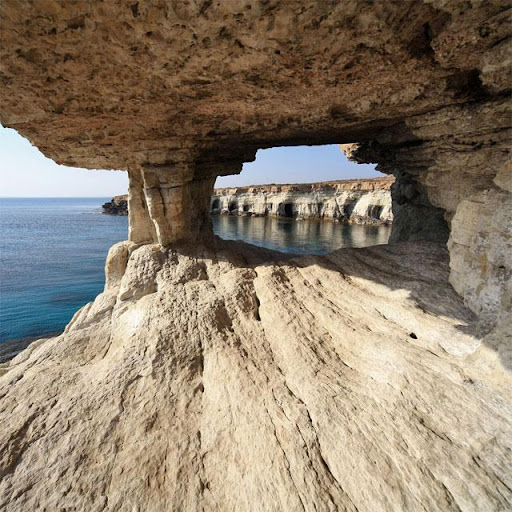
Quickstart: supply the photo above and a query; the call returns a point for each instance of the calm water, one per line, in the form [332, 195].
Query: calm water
[52, 254]
[298, 237]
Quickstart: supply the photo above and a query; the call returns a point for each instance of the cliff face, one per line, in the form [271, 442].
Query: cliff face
[357, 201]
[219, 377]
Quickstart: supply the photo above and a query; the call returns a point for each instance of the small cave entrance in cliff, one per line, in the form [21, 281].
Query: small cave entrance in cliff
[375, 211]
[288, 211]
[348, 209]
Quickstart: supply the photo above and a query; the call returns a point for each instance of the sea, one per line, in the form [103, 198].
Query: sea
[53, 250]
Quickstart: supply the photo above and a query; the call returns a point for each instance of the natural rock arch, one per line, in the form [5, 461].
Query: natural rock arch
[435, 114]
[212, 375]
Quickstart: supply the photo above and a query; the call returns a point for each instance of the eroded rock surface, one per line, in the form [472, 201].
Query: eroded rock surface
[233, 379]
[179, 93]
[361, 201]
[239, 379]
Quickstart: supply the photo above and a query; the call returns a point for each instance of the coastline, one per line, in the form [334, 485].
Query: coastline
[349, 201]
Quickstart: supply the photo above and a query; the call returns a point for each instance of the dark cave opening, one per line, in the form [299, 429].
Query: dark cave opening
[288, 210]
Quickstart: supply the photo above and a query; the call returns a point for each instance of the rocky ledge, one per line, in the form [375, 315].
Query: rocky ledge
[233, 378]
[211, 376]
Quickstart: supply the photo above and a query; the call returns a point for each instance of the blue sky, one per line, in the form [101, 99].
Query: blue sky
[26, 172]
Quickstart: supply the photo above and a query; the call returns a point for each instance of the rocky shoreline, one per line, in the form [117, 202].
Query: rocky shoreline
[117, 206]
[356, 201]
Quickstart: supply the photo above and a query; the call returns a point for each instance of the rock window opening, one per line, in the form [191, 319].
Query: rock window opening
[298, 199]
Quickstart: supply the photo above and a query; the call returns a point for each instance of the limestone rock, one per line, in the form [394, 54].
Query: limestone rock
[361, 201]
[179, 93]
[220, 377]
[239, 379]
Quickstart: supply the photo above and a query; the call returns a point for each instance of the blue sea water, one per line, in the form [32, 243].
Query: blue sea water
[52, 254]
[52, 257]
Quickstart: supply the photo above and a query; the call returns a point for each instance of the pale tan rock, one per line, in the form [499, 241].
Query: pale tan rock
[231, 378]
[183, 92]
[239, 379]
[359, 201]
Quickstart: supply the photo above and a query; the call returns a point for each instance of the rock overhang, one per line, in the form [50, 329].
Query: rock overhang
[181, 92]
[124, 83]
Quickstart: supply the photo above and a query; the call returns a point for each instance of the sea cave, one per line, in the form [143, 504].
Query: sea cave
[215, 375]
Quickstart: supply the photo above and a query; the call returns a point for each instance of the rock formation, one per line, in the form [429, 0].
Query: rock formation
[118, 205]
[358, 201]
[231, 378]
[221, 377]
[187, 92]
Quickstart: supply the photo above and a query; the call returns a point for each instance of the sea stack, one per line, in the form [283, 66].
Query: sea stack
[213, 375]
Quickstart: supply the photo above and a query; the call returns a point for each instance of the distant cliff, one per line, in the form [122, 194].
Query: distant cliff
[117, 206]
[360, 201]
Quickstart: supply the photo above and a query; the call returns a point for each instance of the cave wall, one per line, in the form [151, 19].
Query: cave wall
[453, 173]
[414, 216]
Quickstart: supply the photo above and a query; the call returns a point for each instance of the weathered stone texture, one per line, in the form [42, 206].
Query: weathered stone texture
[224, 379]
[196, 88]
[363, 201]
[238, 379]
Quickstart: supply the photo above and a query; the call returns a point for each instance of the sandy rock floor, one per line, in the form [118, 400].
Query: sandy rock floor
[239, 379]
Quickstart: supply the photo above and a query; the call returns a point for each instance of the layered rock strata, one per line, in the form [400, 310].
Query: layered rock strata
[239, 379]
[358, 201]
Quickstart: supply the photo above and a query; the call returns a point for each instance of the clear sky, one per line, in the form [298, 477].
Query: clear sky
[26, 172]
